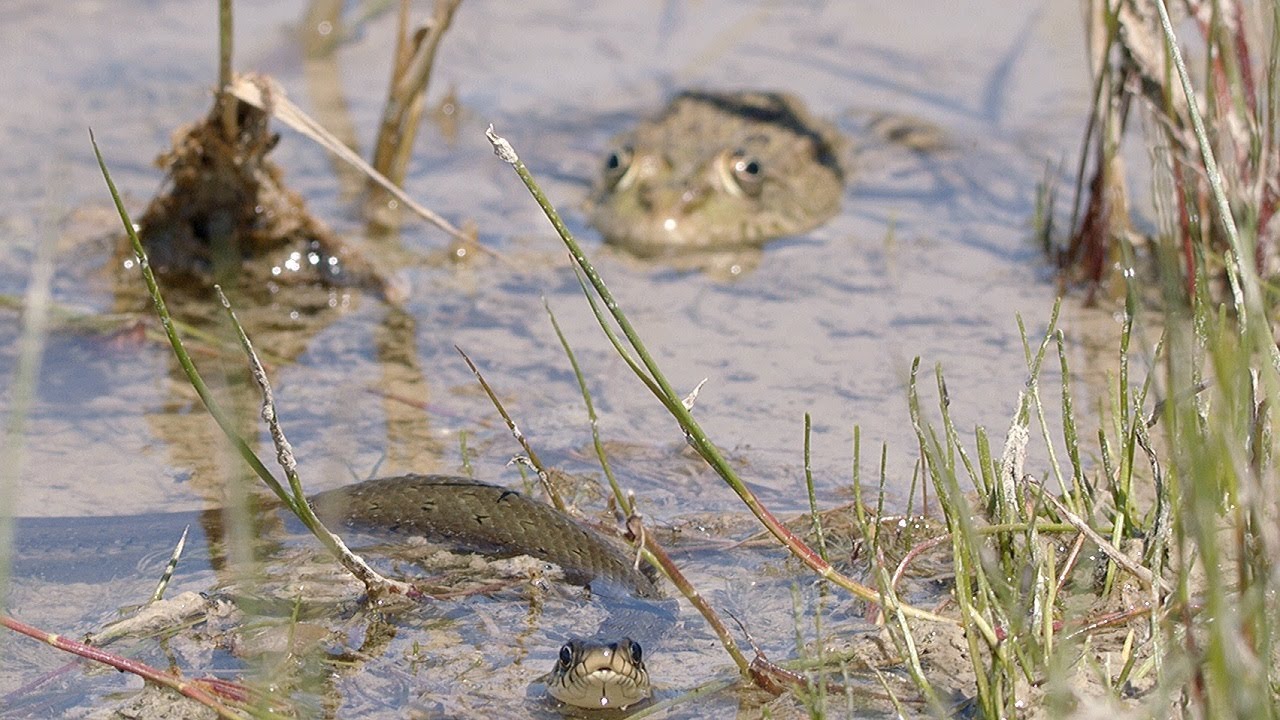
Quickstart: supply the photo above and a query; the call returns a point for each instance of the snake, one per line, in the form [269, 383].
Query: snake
[595, 672]
[602, 671]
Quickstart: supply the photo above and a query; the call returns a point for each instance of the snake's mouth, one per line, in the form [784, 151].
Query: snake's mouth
[600, 675]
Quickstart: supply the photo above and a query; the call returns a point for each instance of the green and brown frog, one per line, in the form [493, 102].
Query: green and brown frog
[719, 171]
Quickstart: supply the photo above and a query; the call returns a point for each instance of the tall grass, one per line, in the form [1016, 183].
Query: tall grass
[1182, 497]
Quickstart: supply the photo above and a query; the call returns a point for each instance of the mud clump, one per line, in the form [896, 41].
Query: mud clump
[225, 215]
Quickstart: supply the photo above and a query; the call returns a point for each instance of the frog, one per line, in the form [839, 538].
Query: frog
[718, 171]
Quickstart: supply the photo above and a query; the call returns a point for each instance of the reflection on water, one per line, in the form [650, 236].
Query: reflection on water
[929, 257]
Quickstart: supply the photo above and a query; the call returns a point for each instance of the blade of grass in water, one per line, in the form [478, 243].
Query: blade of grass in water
[654, 552]
[376, 585]
[544, 477]
[814, 515]
[35, 323]
[184, 360]
[296, 500]
[618, 495]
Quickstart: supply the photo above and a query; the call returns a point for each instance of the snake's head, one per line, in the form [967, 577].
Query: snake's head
[600, 675]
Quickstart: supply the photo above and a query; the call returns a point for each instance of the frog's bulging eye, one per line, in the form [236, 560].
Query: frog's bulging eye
[748, 173]
[617, 164]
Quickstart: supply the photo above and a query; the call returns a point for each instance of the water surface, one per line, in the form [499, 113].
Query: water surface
[931, 257]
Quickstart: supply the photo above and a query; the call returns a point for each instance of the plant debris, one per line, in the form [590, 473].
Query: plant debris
[226, 215]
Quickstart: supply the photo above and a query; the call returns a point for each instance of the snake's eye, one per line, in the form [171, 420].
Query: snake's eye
[748, 173]
[566, 655]
[637, 655]
[617, 164]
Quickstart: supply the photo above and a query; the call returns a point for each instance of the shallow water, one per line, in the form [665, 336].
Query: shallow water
[930, 257]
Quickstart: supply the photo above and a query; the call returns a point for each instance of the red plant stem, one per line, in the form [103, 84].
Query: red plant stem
[914, 553]
[696, 599]
[1243, 60]
[1184, 225]
[190, 689]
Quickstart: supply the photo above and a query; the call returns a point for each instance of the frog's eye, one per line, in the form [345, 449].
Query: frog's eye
[617, 164]
[747, 173]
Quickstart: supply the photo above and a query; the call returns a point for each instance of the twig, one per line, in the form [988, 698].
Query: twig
[226, 44]
[1143, 575]
[376, 585]
[189, 688]
[658, 555]
[655, 553]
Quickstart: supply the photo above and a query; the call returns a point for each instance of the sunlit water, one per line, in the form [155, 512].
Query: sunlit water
[932, 256]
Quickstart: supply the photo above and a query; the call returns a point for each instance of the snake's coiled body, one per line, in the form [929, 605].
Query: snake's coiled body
[483, 518]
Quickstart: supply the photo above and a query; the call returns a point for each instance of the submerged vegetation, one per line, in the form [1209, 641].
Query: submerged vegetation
[1131, 572]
